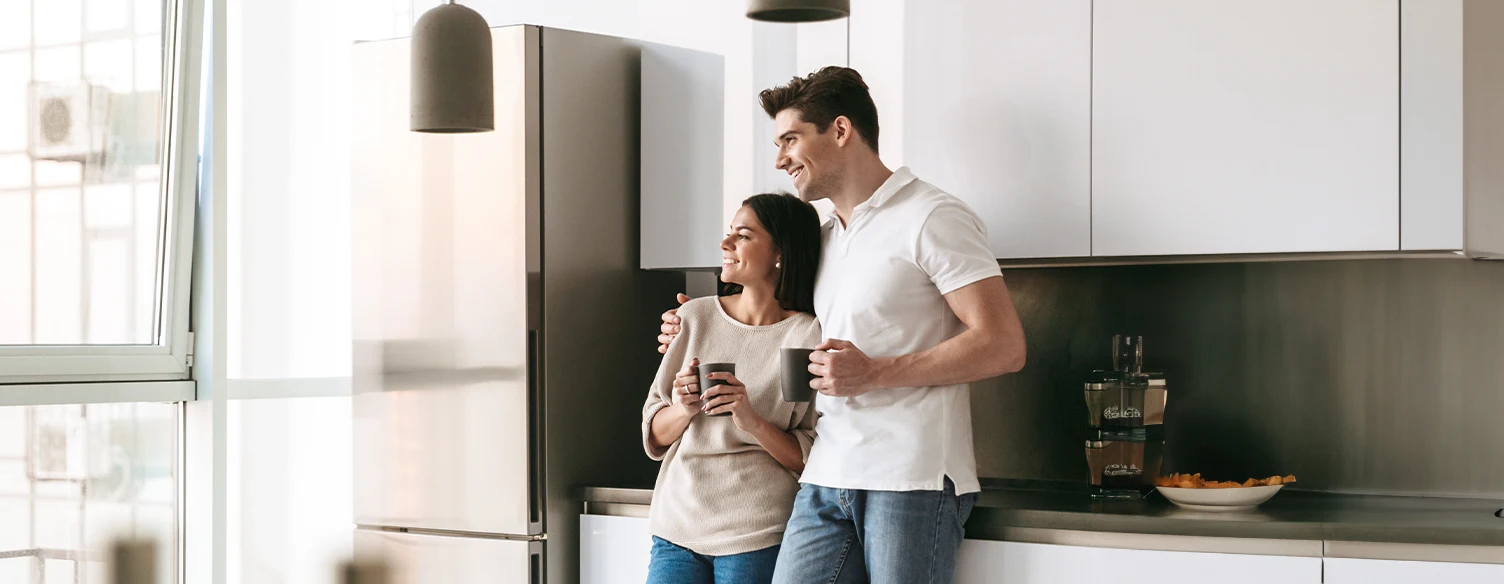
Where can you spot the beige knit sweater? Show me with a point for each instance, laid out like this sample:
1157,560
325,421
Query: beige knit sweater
718,492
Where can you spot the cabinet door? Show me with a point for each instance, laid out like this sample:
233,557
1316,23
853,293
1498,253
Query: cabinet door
614,550
415,558
1031,563
1349,571
682,158
997,111
997,562
1244,126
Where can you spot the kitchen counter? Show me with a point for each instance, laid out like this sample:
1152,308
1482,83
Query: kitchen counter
1293,523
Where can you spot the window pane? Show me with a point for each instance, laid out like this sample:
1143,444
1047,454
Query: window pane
15,75
58,267
103,16
80,129
58,21
15,258
75,478
15,24
15,171
148,17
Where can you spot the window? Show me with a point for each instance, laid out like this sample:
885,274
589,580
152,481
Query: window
74,478
95,200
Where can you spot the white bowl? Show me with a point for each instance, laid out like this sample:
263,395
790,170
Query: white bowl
1233,499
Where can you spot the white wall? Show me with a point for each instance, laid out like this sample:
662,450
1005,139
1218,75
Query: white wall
290,491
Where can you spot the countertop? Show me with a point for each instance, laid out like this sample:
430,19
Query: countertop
1298,523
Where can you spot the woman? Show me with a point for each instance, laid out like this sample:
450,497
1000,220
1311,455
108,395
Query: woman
727,484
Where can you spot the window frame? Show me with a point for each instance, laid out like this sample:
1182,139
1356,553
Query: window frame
171,357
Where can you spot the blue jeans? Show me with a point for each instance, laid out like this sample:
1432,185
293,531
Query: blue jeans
671,564
840,536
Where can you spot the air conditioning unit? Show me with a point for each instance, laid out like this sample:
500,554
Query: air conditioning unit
134,129
69,122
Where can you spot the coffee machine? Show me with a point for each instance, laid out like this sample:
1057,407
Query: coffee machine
1125,410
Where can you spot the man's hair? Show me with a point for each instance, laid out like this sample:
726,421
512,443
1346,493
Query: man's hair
824,95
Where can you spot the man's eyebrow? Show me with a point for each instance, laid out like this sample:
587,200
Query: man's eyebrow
781,137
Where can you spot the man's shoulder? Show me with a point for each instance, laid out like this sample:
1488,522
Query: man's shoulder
920,199
921,192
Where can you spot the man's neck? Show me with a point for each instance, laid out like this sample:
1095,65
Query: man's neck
861,184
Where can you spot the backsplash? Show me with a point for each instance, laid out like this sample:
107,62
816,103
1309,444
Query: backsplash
1374,376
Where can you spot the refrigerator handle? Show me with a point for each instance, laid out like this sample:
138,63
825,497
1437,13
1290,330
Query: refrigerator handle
535,431
535,563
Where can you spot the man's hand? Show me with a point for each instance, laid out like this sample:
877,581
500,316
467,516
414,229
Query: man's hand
670,328
843,369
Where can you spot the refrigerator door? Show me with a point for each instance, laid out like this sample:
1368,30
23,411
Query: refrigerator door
412,558
444,398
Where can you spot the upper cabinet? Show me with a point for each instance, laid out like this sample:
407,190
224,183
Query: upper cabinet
1294,126
1245,126
1151,128
1452,126
682,157
990,101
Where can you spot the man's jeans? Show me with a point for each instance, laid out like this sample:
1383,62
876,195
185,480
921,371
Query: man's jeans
884,537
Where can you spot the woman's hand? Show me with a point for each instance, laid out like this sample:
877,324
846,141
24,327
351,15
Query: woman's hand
687,389
731,397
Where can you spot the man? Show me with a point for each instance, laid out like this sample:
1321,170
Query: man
913,307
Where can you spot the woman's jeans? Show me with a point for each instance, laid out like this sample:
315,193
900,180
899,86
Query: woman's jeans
671,564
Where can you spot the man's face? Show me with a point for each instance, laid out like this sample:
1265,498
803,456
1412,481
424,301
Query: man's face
812,158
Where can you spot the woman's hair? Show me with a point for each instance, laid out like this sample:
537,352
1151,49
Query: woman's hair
794,227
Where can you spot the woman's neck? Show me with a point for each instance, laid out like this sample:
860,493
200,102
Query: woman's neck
755,306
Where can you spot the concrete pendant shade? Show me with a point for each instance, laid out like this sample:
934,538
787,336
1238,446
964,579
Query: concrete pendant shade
798,10
452,88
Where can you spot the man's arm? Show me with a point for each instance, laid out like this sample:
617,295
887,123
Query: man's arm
991,345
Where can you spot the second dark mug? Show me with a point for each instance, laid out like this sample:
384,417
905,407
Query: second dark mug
706,384
796,376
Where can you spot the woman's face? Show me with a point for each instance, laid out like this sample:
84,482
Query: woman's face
747,253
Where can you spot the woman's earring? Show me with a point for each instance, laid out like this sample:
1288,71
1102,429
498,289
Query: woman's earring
778,264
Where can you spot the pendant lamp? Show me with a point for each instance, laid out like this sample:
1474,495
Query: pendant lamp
798,10
452,88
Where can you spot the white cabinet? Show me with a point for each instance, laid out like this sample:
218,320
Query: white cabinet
1350,571
1452,126
1245,126
990,101
682,157
1197,127
995,562
614,550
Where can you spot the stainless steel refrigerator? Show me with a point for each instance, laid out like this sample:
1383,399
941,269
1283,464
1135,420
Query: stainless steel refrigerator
503,331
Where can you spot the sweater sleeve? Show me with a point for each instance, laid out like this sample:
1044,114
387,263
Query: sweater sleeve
661,393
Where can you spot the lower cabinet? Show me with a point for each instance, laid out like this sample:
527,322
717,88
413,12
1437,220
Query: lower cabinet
614,550
1031,563
1347,571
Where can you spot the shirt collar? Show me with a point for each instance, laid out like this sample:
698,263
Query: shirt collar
900,179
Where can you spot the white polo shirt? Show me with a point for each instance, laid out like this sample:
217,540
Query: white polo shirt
881,285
